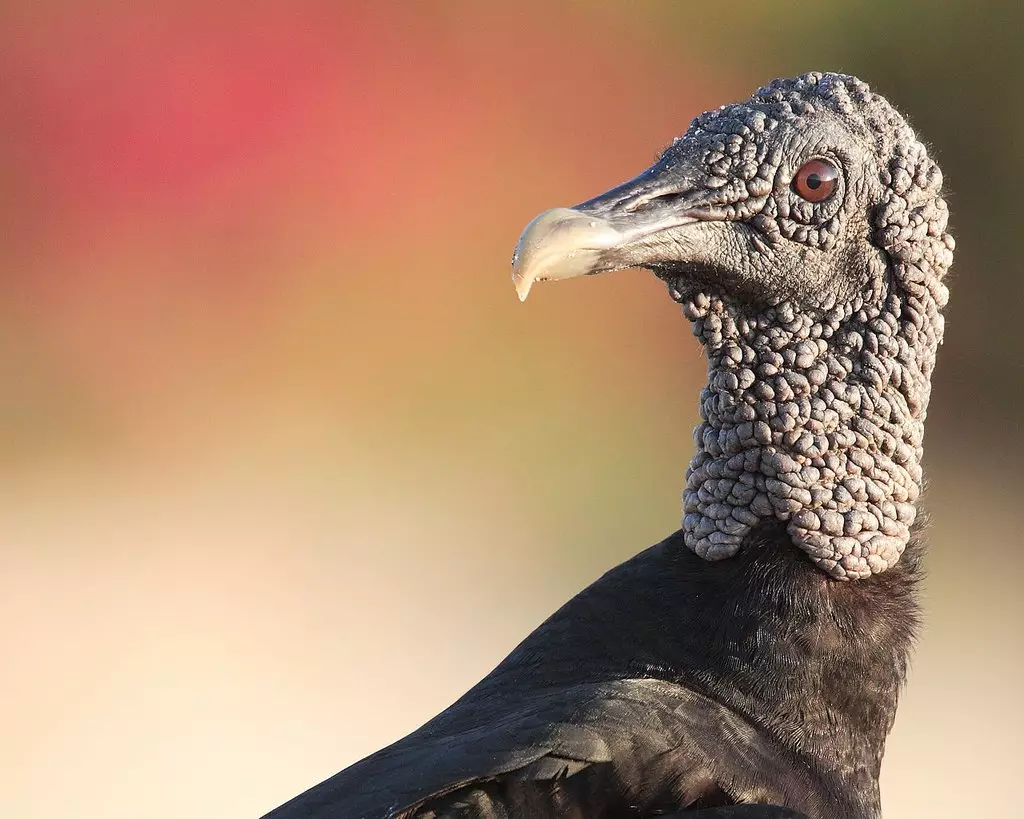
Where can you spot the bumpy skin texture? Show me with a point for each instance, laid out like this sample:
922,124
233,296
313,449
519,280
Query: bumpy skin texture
815,405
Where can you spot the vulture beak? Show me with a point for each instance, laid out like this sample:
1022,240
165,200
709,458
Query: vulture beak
637,224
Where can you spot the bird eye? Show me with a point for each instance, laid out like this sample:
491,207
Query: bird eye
816,180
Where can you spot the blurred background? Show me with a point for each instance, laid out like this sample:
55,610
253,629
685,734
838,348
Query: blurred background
285,467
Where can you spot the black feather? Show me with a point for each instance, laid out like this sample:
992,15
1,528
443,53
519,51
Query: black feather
669,681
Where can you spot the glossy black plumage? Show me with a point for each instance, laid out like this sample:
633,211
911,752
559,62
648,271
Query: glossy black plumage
670,682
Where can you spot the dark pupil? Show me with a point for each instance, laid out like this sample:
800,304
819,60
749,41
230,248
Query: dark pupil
813,181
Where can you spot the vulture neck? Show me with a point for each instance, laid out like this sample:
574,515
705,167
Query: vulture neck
814,418
819,661
814,664
817,664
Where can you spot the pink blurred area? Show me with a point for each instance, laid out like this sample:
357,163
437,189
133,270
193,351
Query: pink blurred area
286,466
200,193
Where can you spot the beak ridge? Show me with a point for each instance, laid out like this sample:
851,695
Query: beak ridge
623,227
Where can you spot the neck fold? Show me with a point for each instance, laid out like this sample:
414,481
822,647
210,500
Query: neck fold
815,419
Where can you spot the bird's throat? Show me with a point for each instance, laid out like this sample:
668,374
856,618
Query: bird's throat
814,419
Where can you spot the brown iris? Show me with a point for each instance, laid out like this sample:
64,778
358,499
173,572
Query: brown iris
816,180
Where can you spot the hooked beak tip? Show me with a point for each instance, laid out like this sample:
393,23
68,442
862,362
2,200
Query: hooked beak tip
559,244
522,285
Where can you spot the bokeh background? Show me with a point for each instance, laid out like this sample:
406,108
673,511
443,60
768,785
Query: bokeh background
285,466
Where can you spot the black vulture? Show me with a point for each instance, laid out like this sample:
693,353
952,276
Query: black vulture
755,657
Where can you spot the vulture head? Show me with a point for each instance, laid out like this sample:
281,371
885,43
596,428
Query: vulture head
804,234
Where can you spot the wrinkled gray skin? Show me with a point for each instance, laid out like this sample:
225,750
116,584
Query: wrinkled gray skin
820,321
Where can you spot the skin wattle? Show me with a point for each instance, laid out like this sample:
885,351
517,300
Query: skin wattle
816,421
